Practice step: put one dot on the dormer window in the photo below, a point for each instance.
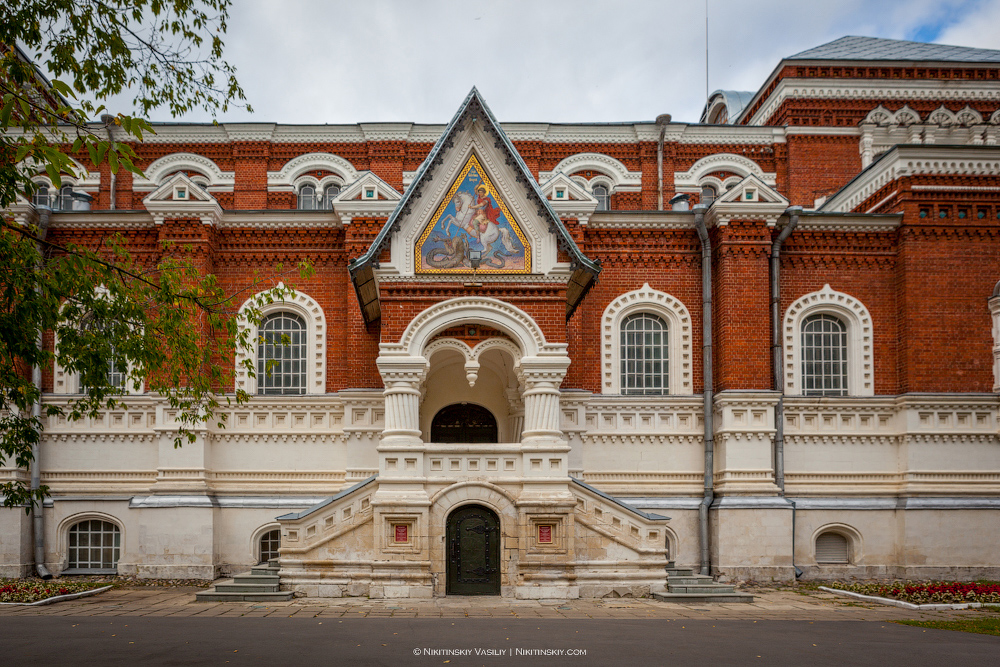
(708, 195)
(329, 194)
(369, 193)
(560, 194)
(750, 194)
(307, 198)
(603, 197)
(180, 192)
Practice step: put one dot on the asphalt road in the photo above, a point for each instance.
(298, 642)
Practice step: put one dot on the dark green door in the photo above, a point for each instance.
(473, 552)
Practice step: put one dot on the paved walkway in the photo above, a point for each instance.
(771, 604)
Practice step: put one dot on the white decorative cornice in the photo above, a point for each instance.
(858, 224)
(731, 134)
(249, 131)
(642, 220)
(913, 160)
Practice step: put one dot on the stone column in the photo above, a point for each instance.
(402, 378)
(541, 378)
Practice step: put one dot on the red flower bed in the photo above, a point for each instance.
(33, 590)
(934, 592)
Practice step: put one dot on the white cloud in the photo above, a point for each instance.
(559, 60)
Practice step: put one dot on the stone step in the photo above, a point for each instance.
(264, 570)
(699, 579)
(246, 588)
(214, 596)
(680, 572)
(711, 589)
(262, 579)
(702, 598)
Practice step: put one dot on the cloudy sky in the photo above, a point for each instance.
(352, 61)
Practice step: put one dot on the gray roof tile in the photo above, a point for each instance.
(876, 48)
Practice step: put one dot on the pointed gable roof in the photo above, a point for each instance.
(473, 108)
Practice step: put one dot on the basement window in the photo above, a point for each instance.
(832, 549)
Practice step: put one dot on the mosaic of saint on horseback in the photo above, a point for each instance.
(472, 230)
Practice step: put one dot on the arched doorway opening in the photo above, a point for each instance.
(465, 423)
(473, 551)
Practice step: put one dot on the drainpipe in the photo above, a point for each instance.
(662, 121)
(777, 362)
(108, 121)
(38, 510)
(706, 310)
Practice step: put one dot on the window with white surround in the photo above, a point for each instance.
(646, 344)
(644, 355)
(93, 545)
(281, 354)
(329, 194)
(307, 198)
(828, 342)
(603, 196)
(290, 340)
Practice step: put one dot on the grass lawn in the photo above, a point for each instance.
(989, 625)
(33, 590)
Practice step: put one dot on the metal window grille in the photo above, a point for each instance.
(94, 545)
(41, 196)
(832, 548)
(329, 194)
(602, 197)
(644, 355)
(269, 543)
(307, 198)
(824, 356)
(281, 355)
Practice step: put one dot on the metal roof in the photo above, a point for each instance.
(735, 101)
(877, 48)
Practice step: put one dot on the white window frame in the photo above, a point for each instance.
(312, 313)
(283, 351)
(678, 319)
(69, 522)
(854, 315)
(66, 383)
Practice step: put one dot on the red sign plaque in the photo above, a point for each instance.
(545, 534)
(402, 532)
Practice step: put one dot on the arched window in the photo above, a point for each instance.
(602, 197)
(41, 196)
(832, 548)
(329, 194)
(307, 198)
(268, 545)
(64, 202)
(464, 422)
(281, 355)
(116, 368)
(644, 355)
(708, 195)
(94, 545)
(824, 356)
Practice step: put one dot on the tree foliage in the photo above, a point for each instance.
(117, 322)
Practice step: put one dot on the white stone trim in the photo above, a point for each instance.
(306, 307)
(290, 172)
(168, 164)
(743, 166)
(621, 179)
(62, 533)
(259, 533)
(482, 310)
(994, 304)
(672, 310)
(860, 363)
(472, 354)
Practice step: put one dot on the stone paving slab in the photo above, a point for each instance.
(770, 604)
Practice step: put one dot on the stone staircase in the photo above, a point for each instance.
(260, 584)
(683, 585)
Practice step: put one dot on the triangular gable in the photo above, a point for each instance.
(369, 187)
(180, 198)
(472, 230)
(752, 190)
(568, 198)
(512, 180)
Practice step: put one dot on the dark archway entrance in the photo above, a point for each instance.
(464, 422)
(473, 552)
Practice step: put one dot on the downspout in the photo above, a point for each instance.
(37, 509)
(108, 121)
(777, 362)
(662, 121)
(706, 310)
